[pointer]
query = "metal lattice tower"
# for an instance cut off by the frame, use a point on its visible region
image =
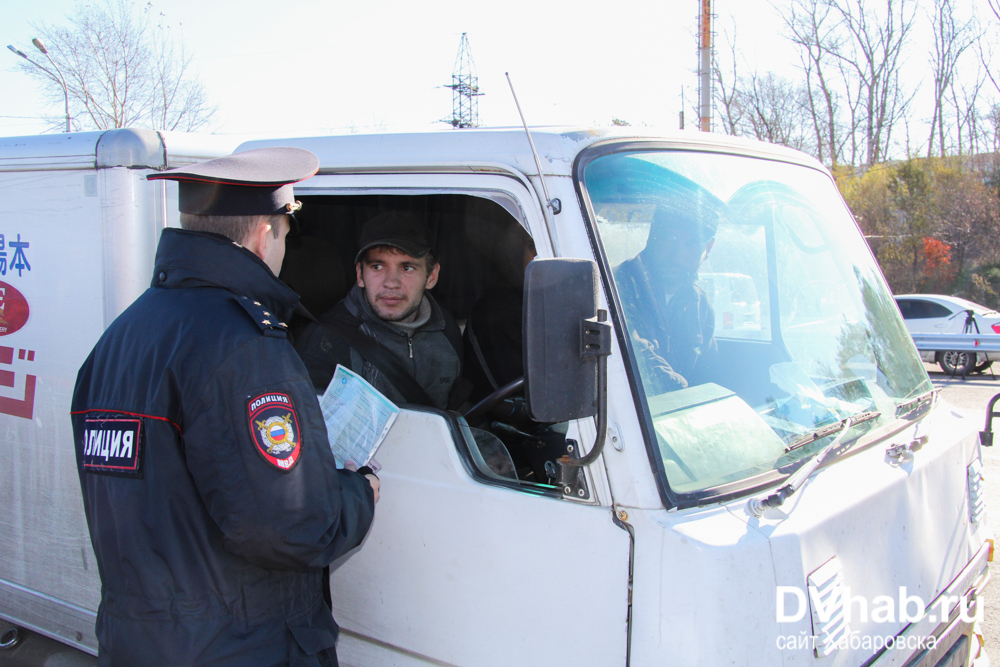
(464, 89)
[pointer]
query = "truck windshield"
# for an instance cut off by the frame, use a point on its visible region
(752, 309)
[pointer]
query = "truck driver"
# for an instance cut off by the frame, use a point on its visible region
(671, 320)
(389, 329)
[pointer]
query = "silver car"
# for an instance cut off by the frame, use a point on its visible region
(936, 313)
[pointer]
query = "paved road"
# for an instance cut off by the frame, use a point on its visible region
(972, 396)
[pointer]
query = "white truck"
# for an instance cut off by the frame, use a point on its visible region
(809, 502)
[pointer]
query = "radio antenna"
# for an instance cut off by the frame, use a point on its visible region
(553, 204)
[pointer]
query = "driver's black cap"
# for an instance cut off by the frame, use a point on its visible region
(404, 231)
(255, 182)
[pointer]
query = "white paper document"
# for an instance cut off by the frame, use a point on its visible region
(357, 417)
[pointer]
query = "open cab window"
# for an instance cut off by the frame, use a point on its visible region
(752, 311)
(483, 247)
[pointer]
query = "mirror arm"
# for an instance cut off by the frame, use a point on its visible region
(595, 343)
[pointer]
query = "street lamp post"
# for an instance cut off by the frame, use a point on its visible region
(60, 79)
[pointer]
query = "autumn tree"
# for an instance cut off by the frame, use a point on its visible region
(966, 214)
(892, 205)
(932, 223)
(938, 270)
(122, 68)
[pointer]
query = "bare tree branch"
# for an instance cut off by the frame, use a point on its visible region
(121, 70)
(725, 94)
(810, 28)
(951, 40)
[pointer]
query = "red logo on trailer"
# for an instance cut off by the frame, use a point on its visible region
(23, 405)
(13, 309)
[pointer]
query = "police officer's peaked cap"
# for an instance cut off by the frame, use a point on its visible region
(256, 182)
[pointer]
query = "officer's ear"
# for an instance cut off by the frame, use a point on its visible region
(254, 240)
(267, 240)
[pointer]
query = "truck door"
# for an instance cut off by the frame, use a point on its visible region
(464, 566)
(459, 571)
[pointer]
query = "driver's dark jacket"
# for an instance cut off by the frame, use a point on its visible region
(209, 554)
(674, 341)
(432, 354)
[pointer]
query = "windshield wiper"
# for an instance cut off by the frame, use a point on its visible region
(915, 404)
(756, 507)
(827, 431)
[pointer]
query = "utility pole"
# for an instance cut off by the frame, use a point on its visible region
(60, 79)
(705, 65)
(681, 114)
(464, 89)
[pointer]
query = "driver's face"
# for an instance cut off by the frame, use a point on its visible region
(394, 282)
(677, 251)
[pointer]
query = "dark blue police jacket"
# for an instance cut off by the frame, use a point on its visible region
(212, 497)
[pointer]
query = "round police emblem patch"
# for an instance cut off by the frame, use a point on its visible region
(275, 429)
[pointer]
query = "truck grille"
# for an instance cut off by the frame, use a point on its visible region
(827, 603)
(977, 491)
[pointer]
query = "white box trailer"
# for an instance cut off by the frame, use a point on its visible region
(89, 223)
(805, 500)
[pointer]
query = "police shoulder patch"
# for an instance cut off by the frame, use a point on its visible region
(112, 444)
(274, 427)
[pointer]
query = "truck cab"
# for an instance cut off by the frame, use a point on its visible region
(795, 495)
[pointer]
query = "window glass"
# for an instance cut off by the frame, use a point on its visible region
(482, 248)
(753, 309)
(919, 309)
(937, 310)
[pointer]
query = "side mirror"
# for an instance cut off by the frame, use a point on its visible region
(562, 339)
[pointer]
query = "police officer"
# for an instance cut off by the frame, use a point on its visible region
(210, 490)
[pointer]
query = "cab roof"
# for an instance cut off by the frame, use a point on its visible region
(477, 149)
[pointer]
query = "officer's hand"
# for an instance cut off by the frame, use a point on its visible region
(366, 471)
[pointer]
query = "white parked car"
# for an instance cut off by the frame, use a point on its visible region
(936, 313)
(734, 298)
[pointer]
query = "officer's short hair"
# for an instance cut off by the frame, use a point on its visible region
(235, 227)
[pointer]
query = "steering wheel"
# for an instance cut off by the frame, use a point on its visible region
(484, 406)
